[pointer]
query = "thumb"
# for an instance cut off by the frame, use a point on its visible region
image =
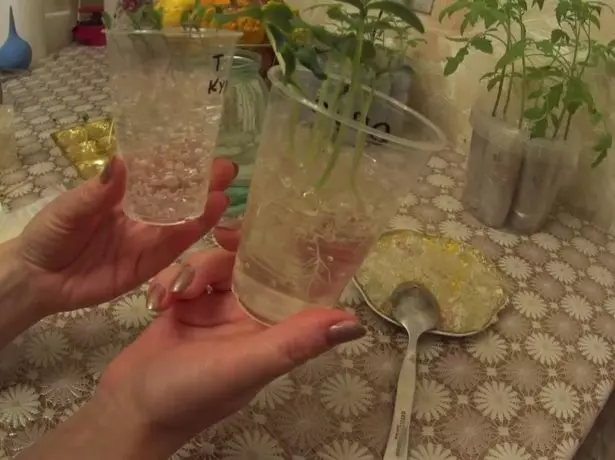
(280, 349)
(94, 199)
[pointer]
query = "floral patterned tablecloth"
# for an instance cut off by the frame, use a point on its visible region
(529, 388)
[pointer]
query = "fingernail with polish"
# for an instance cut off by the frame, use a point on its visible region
(183, 280)
(155, 296)
(105, 175)
(236, 168)
(345, 331)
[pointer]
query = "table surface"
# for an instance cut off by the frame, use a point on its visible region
(529, 388)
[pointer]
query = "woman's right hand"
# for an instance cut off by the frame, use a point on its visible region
(203, 359)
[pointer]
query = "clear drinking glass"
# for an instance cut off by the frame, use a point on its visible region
(168, 89)
(8, 142)
(324, 187)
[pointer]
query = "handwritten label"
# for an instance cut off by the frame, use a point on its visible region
(217, 86)
(357, 116)
(218, 59)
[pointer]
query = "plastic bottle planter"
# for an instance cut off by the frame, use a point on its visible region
(15, 53)
(512, 181)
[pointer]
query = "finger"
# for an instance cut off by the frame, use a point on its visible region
(211, 311)
(227, 238)
(197, 275)
(177, 239)
(174, 240)
(202, 272)
(163, 245)
(281, 348)
(87, 204)
(223, 173)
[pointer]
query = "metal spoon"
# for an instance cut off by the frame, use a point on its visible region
(416, 309)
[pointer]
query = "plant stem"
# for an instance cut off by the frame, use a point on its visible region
(503, 77)
(499, 93)
(580, 76)
(509, 91)
(322, 119)
(568, 122)
(523, 76)
(571, 75)
(361, 139)
(355, 84)
(293, 123)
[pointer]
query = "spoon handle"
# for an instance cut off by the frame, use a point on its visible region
(397, 446)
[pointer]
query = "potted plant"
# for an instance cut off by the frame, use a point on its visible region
(329, 170)
(524, 148)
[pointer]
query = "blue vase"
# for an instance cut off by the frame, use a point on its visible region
(16, 53)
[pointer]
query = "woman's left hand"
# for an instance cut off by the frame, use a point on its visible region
(82, 250)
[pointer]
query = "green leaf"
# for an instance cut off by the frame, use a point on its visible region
(561, 10)
(452, 9)
(358, 4)
(464, 25)
(602, 146)
(540, 3)
(278, 14)
(536, 94)
(513, 53)
(323, 36)
(482, 44)
(276, 37)
(539, 129)
(489, 21)
(559, 34)
(159, 13)
(107, 20)
(596, 117)
(546, 46)
(554, 95)
(578, 92)
(594, 20)
(308, 57)
(335, 13)
(290, 63)
(489, 14)
(347, 46)
(494, 81)
(184, 19)
(458, 39)
(199, 16)
(540, 73)
(490, 75)
(379, 25)
(534, 113)
(572, 107)
(452, 63)
(400, 11)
